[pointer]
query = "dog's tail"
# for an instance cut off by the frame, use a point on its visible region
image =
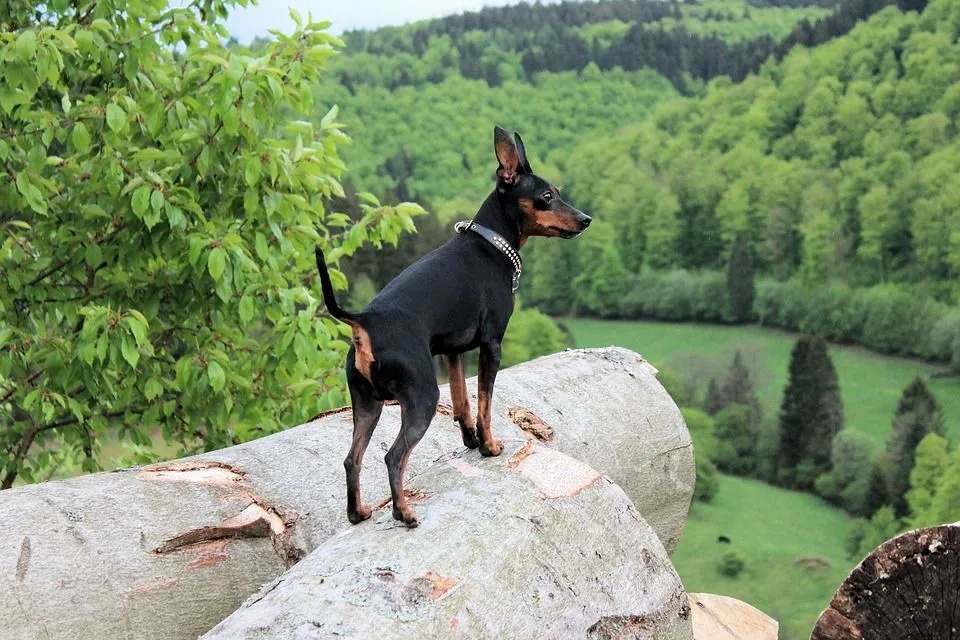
(327, 287)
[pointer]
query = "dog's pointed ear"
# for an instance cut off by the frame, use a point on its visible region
(507, 155)
(524, 162)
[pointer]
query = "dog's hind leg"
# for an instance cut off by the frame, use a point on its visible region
(461, 401)
(366, 414)
(418, 405)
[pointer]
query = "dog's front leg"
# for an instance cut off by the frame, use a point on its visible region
(489, 364)
(461, 401)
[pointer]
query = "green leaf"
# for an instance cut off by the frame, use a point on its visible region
(327, 120)
(116, 117)
(92, 254)
(141, 200)
(152, 389)
(247, 309)
(175, 217)
(156, 201)
(251, 170)
(138, 328)
(129, 352)
(263, 250)
(65, 103)
(216, 376)
(26, 45)
(217, 262)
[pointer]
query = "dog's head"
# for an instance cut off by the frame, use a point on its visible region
(543, 211)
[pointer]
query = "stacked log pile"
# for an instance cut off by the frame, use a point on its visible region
(567, 534)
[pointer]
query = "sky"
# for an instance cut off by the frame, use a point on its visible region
(247, 23)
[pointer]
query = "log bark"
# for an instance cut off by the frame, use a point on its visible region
(908, 588)
(533, 544)
(169, 550)
(723, 618)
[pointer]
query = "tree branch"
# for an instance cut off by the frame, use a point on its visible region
(30, 380)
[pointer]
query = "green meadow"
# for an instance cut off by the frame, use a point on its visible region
(792, 542)
(870, 383)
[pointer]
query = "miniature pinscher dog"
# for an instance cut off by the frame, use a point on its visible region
(454, 299)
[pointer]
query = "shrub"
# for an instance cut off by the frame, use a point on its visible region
(531, 334)
(707, 483)
(678, 295)
(944, 340)
(736, 430)
(847, 482)
(731, 564)
(701, 427)
(867, 535)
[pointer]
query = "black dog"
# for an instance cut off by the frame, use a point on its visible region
(454, 299)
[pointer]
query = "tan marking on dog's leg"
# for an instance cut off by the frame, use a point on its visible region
(489, 363)
(461, 402)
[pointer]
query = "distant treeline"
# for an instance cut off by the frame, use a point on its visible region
(630, 34)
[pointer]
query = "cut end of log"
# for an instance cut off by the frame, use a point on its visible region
(908, 587)
(723, 618)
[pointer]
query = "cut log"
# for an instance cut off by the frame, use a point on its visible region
(723, 618)
(908, 588)
(533, 544)
(169, 550)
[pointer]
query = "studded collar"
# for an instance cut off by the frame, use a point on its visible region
(497, 241)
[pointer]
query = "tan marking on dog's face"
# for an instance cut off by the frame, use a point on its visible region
(363, 351)
(548, 223)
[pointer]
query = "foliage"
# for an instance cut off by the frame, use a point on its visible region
(931, 464)
(867, 535)
(678, 40)
(740, 282)
(677, 295)
(918, 415)
(851, 465)
(702, 432)
(833, 164)
(731, 564)
(889, 318)
(713, 401)
(157, 230)
(602, 278)
(810, 416)
(737, 429)
(531, 334)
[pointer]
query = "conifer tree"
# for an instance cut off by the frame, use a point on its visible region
(740, 283)
(810, 416)
(714, 400)
(918, 414)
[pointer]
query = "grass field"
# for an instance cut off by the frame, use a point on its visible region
(792, 542)
(869, 383)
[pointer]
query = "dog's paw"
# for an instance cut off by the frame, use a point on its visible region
(470, 439)
(492, 448)
(407, 516)
(362, 513)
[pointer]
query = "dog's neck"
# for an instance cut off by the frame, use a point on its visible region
(501, 214)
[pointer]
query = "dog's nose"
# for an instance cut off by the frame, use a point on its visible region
(584, 220)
